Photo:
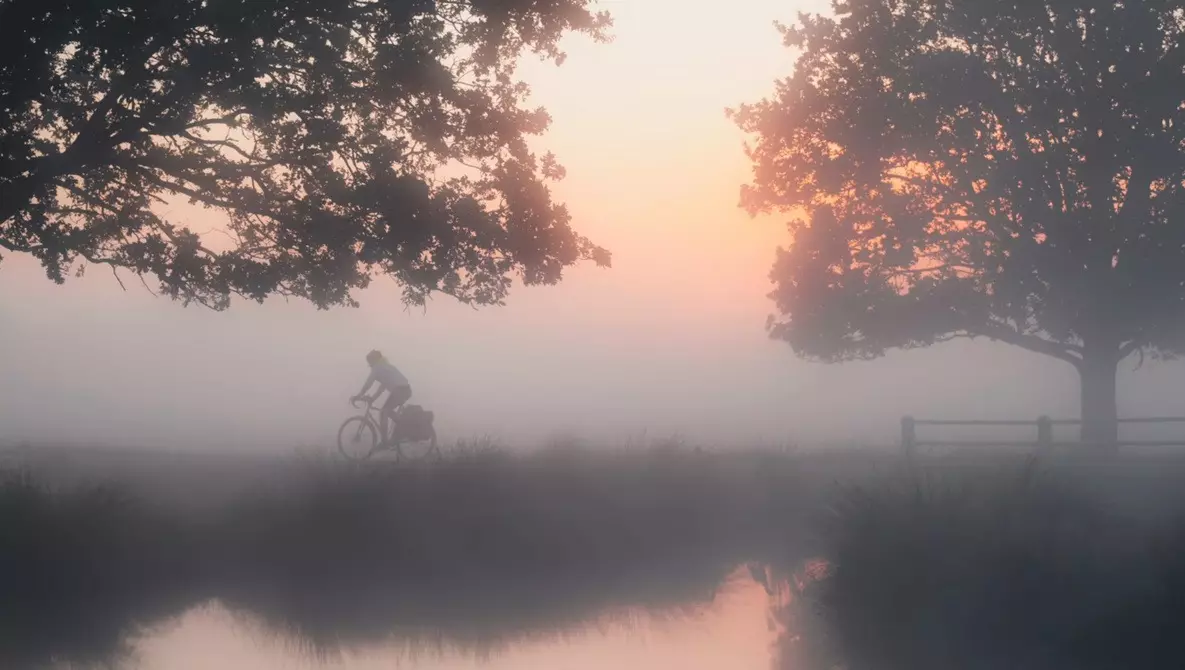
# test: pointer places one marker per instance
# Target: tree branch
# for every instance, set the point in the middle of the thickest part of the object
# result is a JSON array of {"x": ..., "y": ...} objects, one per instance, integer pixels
[{"x": 1067, "y": 352}]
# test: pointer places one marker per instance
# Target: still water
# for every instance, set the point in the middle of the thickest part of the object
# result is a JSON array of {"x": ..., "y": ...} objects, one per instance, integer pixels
[{"x": 736, "y": 629}]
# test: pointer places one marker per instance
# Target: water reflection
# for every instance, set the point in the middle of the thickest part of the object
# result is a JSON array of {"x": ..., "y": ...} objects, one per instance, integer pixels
[
  {"x": 730, "y": 630},
  {"x": 317, "y": 627}
]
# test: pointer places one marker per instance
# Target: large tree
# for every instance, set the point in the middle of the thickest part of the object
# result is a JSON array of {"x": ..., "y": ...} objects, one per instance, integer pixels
[
  {"x": 1007, "y": 169},
  {"x": 337, "y": 140}
]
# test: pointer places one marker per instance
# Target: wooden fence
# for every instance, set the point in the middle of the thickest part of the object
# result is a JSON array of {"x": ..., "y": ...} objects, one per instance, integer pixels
[{"x": 1043, "y": 425}]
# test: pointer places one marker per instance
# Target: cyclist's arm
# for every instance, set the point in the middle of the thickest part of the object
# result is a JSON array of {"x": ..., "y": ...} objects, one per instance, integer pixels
[{"x": 366, "y": 387}]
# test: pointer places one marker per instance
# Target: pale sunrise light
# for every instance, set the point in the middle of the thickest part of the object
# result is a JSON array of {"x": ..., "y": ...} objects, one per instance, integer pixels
[
  {"x": 307, "y": 359},
  {"x": 667, "y": 340}
]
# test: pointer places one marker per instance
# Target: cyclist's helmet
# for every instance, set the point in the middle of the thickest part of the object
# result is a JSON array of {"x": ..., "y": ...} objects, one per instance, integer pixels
[{"x": 374, "y": 356}]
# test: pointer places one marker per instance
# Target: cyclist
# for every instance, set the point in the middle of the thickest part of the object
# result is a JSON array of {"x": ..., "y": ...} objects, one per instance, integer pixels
[{"x": 390, "y": 380}]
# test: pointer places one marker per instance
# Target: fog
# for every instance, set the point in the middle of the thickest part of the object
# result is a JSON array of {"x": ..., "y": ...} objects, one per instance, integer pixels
[
  {"x": 88, "y": 363},
  {"x": 670, "y": 340}
]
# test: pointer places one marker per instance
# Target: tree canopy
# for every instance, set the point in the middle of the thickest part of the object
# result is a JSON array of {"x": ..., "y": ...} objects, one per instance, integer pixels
[
  {"x": 957, "y": 168},
  {"x": 339, "y": 141}
]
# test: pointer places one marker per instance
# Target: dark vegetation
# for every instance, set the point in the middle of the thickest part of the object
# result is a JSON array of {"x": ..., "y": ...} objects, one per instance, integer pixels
[
  {"x": 975, "y": 560},
  {"x": 81, "y": 569},
  {"x": 483, "y": 548},
  {"x": 1051, "y": 566}
]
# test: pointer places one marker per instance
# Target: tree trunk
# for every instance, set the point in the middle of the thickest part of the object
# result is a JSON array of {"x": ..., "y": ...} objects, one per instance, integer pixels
[{"x": 1098, "y": 371}]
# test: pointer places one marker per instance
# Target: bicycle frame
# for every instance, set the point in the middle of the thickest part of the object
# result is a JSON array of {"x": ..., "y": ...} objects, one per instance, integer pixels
[
  {"x": 396, "y": 440},
  {"x": 374, "y": 415}
]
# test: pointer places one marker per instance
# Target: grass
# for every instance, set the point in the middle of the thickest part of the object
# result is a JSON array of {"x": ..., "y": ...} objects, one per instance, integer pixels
[
  {"x": 1050, "y": 567},
  {"x": 80, "y": 570}
]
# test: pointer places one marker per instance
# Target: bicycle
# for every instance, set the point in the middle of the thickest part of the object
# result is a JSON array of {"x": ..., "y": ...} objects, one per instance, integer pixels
[{"x": 411, "y": 433}]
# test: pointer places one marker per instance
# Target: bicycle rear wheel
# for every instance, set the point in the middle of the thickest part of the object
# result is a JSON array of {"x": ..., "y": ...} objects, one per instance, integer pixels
[
  {"x": 419, "y": 450},
  {"x": 358, "y": 438}
]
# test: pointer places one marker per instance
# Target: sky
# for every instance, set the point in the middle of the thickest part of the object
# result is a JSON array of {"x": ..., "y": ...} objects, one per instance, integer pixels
[{"x": 668, "y": 341}]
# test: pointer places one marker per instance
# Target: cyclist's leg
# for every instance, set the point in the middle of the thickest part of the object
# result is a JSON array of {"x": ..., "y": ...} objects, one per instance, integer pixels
[
  {"x": 404, "y": 393},
  {"x": 395, "y": 398},
  {"x": 385, "y": 414}
]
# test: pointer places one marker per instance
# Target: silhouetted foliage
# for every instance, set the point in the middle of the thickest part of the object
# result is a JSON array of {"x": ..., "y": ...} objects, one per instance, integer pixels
[
  {"x": 341, "y": 140},
  {"x": 1010, "y": 170}
]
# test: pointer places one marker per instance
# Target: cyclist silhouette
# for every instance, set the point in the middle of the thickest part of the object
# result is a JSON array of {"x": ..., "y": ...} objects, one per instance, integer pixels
[{"x": 391, "y": 381}]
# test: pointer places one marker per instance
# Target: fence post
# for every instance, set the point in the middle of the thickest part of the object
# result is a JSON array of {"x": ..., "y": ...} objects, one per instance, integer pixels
[
  {"x": 1044, "y": 434},
  {"x": 909, "y": 435}
]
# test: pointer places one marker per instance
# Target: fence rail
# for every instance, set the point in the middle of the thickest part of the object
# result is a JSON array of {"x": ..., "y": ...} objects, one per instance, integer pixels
[{"x": 1043, "y": 424}]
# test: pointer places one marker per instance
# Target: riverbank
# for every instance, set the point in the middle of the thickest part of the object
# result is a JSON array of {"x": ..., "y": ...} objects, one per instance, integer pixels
[{"x": 934, "y": 560}]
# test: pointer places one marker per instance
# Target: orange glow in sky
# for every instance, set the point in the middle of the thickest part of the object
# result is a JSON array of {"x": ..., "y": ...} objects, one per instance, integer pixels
[{"x": 670, "y": 340}]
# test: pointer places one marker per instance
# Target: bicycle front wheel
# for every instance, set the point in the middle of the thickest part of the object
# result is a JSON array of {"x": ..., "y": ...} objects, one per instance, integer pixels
[{"x": 358, "y": 438}]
